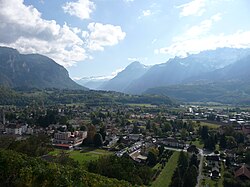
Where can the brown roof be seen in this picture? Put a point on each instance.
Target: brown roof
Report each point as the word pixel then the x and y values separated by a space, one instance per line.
pixel 63 145
pixel 243 171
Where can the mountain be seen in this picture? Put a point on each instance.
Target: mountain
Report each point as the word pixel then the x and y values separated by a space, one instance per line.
pixel 236 71
pixel 32 71
pixel 230 84
pixel 123 79
pixel 179 70
pixel 93 83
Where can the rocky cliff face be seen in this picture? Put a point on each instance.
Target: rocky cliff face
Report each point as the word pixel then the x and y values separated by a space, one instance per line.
pixel 32 71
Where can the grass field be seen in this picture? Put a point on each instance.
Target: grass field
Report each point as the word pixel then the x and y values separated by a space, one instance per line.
pixel 164 179
pixel 198 143
pixel 86 155
pixel 209 125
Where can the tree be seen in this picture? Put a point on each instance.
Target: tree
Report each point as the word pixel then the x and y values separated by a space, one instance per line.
pixel 190 179
pixel 135 129
pixel 183 163
pixel 247 157
pixel 83 128
pixel 91 133
pixel 148 125
pixel 152 157
pixel 98 141
pixel 204 132
pixel 209 143
pixel 167 127
pixel 223 142
pixel 184 134
pixel 231 143
pixel 161 149
pixel 103 132
pixel 194 160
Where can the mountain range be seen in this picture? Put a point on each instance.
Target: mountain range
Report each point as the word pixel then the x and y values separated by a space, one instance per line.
pixel 32 71
pixel 220 75
pixel 93 83
pixel 226 68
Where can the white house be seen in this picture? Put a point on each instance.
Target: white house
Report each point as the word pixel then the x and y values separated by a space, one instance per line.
pixel 14 129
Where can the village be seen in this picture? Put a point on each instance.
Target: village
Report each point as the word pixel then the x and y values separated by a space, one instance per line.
pixel 218 137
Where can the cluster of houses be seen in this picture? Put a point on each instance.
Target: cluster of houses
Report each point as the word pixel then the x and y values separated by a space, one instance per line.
pixel 240 121
pixel 213 166
pixel 16 129
pixel 68 140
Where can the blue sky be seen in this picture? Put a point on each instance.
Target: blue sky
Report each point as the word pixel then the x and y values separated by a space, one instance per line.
pixel 101 37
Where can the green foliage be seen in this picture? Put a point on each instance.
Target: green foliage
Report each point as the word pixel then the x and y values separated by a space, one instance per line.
pixel 164 178
pixel 98 141
pixel 121 168
pixel 186 173
pixel 19 170
pixel 231 181
pixel 152 156
pixel 32 146
pixel 90 98
pixel 220 92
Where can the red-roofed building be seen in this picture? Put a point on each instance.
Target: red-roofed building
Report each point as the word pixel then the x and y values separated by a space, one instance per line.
pixel 243 172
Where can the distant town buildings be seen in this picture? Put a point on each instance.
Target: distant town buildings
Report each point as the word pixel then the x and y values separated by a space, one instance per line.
pixel 69 140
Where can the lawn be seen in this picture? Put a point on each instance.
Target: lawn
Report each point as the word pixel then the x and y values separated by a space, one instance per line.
pixel 198 143
pixel 165 177
pixel 209 125
pixel 86 155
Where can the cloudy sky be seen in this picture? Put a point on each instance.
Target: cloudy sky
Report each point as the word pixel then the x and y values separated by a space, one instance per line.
pixel 101 37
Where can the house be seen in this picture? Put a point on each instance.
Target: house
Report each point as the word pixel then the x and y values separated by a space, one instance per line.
pixel 215 173
pixel 136 156
pixel 213 164
pixel 243 172
pixel 68 139
pixel 243 128
pixel 15 129
pixel 213 161
pixel 172 142
pixel 135 137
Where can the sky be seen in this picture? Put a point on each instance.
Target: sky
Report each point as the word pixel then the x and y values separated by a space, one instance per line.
pixel 101 37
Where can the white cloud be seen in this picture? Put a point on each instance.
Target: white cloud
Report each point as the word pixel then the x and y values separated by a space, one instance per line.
pixel 102 35
pixel 146 13
pixel 195 7
pixel 201 29
pixel 113 74
pixel 197 38
pixel 23 28
pixel 240 39
pixel 81 8
pixel 139 59
pixel 133 59
pixel 128 1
